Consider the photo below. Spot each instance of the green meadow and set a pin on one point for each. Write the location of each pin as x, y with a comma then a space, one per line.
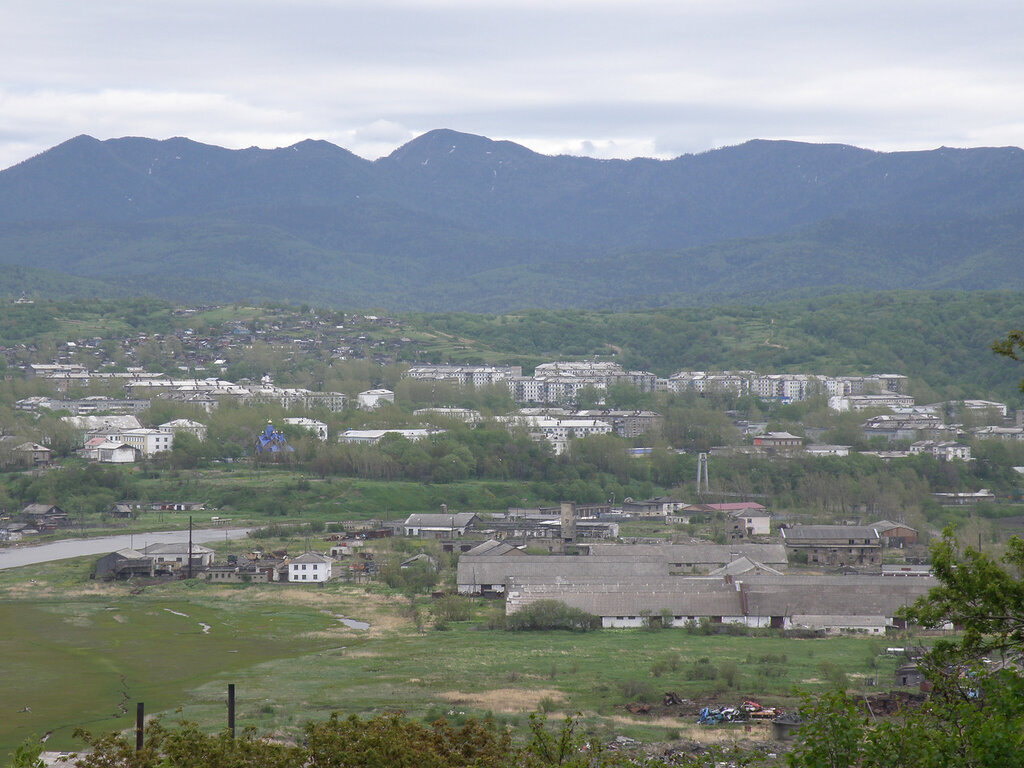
78, 653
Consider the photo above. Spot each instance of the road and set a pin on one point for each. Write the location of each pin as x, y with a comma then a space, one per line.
27, 554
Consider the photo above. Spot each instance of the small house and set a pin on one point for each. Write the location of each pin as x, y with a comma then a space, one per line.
310, 567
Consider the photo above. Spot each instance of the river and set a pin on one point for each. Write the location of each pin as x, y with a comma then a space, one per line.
27, 554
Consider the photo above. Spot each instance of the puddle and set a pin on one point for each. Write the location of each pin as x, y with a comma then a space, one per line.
205, 627
353, 624
176, 613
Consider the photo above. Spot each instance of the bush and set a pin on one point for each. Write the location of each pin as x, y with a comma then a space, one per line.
452, 608
551, 614
729, 672
702, 670
668, 662
638, 690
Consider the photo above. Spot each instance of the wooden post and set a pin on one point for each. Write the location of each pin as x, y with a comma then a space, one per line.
231, 708
140, 717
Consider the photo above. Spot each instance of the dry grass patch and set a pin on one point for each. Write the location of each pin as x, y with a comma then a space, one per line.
507, 700
702, 733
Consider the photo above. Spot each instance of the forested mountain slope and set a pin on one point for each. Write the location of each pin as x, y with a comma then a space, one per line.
455, 221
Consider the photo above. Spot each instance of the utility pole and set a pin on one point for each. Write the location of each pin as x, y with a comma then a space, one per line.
702, 473
190, 546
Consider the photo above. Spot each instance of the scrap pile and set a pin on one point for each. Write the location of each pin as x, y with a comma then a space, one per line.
748, 710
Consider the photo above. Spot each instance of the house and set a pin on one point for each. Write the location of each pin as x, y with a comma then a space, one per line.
422, 560
32, 455
744, 519
114, 452
109, 427
124, 563
835, 544
896, 535
438, 526
45, 517
745, 524
659, 506
909, 675
176, 556
310, 567
374, 398
237, 573
123, 509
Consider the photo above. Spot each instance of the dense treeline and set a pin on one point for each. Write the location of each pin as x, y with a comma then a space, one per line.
940, 339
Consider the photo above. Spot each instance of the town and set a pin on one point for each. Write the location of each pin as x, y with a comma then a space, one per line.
582, 494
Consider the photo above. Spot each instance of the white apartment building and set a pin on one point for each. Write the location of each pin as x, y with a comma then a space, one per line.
476, 375
944, 450
318, 428
147, 441
373, 436
558, 431
310, 567
864, 402
373, 398
184, 425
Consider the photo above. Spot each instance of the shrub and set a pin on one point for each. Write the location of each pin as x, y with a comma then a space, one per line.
668, 662
452, 608
729, 672
551, 614
702, 670
638, 690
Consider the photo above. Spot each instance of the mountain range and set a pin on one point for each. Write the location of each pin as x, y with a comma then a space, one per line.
453, 221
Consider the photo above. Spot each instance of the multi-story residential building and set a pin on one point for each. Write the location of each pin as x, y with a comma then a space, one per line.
147, 441
835, 544
292, 399
864, 402
945, 450
550, 389
374, 398
310, 567
318, 428
467, 415
373, 436
476, 375
559, 431
624, 423
195, 428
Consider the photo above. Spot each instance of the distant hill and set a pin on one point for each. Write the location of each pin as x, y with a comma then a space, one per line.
452, 221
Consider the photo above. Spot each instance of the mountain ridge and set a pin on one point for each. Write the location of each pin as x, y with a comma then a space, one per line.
451, 220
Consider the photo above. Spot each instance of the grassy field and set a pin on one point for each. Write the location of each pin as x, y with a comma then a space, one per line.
81, 653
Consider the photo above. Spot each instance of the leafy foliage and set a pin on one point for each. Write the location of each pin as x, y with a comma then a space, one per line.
551, 614
974, 715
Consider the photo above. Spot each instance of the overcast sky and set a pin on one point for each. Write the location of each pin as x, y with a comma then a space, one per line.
607, 78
